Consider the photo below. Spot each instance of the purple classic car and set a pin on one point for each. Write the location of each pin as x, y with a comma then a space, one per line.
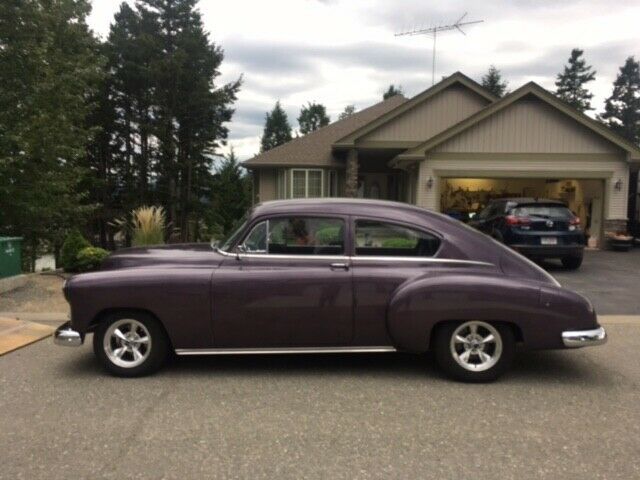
315, 276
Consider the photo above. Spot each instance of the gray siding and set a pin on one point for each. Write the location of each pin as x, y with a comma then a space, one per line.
530, 126
430, 117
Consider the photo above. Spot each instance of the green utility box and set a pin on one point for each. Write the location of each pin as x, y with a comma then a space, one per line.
10, 256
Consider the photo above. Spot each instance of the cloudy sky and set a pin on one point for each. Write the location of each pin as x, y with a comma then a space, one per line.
341, 52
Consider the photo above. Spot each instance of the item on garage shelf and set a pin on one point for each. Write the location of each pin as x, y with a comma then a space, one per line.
619, 241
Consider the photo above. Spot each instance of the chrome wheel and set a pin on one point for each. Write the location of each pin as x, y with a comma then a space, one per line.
476, 346
127, 343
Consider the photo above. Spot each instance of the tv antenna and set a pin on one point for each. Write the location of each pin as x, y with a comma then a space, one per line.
433, 33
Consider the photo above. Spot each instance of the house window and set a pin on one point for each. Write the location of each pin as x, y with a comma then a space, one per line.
307, 183
281, 182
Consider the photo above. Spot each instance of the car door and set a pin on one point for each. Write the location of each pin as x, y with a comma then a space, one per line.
288, 286
385, 255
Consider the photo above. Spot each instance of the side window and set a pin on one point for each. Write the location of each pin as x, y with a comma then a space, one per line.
256, 241
382, 239
297, 236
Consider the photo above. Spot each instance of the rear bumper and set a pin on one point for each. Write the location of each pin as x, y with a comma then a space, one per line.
584, 338
549, 251
67, 336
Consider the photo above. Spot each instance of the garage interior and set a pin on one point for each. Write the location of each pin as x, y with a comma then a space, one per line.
464, 197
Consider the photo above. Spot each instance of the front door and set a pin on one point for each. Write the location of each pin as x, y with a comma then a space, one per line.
290, 286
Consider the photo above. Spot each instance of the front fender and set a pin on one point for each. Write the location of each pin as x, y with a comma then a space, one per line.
179, 297
417, 306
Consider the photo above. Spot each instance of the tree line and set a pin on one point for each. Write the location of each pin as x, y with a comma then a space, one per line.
91, 129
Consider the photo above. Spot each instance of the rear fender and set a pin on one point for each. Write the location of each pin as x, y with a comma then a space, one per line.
420, 304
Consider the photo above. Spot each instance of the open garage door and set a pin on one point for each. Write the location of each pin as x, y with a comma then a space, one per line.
462, 198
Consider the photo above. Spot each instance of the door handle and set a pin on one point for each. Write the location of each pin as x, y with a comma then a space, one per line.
339, 266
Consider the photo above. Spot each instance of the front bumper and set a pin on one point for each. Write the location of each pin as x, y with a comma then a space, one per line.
549, 251
584, 338
67, 336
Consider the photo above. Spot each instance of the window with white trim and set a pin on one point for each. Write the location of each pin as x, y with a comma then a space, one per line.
307, 183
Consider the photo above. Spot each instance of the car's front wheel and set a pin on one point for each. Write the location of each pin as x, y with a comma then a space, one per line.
474, 351
130, 344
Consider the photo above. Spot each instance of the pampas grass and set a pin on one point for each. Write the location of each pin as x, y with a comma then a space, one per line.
148, 225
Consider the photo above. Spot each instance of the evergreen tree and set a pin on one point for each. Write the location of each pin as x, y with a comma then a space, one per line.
494, 82
392, 91
231, 193
570, 83
347, 112
622, 108
312, 117
49, 68
276, 128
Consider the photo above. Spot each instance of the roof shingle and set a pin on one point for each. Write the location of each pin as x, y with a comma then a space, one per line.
314, 149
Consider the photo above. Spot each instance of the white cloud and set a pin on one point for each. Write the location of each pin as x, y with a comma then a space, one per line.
341, 52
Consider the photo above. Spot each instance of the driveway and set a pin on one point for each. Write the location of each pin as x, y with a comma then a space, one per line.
567, 414
611, 280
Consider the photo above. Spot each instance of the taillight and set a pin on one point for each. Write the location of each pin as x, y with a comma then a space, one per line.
513, 220
574, 221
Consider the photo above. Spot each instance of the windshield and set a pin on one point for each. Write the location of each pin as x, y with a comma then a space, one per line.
544, 211
237, 229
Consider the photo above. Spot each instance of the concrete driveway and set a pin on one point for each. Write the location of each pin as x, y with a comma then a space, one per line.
611, 280
568, 414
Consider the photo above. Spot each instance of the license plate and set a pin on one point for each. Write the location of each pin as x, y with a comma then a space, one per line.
548, 241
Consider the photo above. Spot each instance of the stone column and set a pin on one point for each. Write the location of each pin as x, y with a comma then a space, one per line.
351, 177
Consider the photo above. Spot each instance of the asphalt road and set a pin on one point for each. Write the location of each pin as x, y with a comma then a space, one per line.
611, 280
566, 414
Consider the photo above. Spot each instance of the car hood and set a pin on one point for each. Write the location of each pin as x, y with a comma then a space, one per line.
181, 254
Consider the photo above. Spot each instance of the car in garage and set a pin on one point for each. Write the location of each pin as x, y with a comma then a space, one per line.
536, 228
327, 276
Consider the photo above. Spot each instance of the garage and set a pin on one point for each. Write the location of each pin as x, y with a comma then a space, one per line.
462, 197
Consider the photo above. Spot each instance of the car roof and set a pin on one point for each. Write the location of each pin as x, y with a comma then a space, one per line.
528, 200
338, 206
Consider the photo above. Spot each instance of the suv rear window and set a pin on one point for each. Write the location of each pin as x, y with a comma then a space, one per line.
544, 211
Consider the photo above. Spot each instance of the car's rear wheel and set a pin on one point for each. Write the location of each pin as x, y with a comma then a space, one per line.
130, 344
474, 351
571, 262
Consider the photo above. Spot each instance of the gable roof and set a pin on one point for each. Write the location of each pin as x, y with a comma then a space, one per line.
536, 90
314, 149
456, 78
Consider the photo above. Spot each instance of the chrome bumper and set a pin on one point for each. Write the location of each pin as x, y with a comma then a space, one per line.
67, 336
584, 338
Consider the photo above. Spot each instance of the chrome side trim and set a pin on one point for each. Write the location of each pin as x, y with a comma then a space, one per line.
584, 338
450, 261
285, 350
67, 337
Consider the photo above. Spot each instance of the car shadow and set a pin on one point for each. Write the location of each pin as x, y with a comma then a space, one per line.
545, 367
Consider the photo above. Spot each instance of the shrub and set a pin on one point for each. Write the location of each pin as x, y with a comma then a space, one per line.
399, 243
328, 236
70, 249
90, 258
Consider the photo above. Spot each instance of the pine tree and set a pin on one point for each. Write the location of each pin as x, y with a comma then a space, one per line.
276, 128
392, 91
312, 117
49, 69
494, 82
231, 193
622, 108
570, 83
347, 112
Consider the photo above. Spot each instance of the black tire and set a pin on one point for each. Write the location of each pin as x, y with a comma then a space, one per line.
158, 345
571, 262
450, 366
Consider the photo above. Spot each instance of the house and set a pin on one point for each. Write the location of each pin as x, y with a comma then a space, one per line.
453, 147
